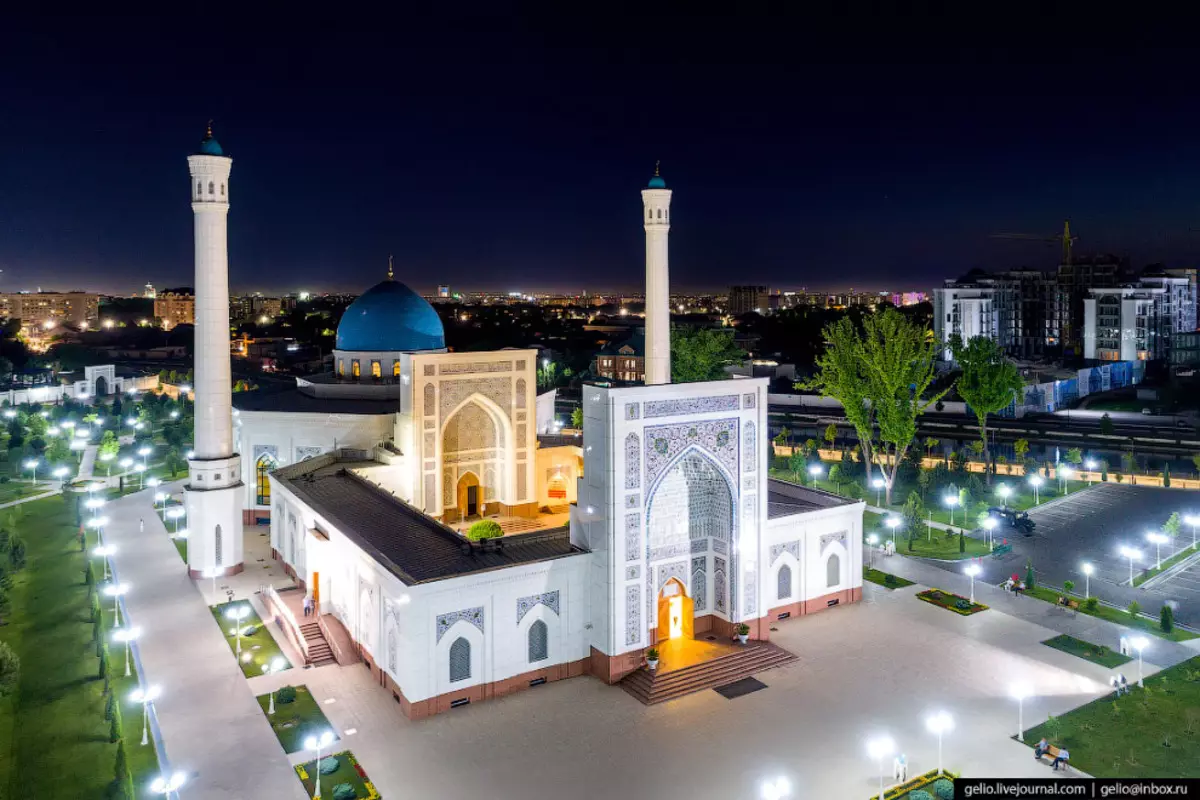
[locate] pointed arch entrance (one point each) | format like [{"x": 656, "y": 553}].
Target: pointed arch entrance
[{"x": 676, "y": 612}]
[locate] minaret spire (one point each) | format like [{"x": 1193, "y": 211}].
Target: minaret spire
[
  {"x": 208, "y": 134},
  {"x": 656, "y": 219},
  {"x": 390, "y": 273}
]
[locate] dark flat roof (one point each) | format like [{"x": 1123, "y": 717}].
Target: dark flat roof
[
  {"x": 293, "y": 400},
  {"x": 785, "y": 499},
  {"x": 415, "y": 547}
]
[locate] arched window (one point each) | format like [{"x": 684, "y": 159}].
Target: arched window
[
  {"x": 395, "y": 368},
  {"x": 355, "y": 368},
  {"x": 649, "y": 213},
  {"x": 262, "y": 483},
  {"x": 539, "y": 642},
  {"x": 460, "y": 660},
  {"x": 222, "y": 190},
  {"x": 217, "y": 555},
  {"x": 521, "y": 388},
  {"x": 376, "y": 369},
  {"x": 660, "y": 213},
  {"x": 833, "y": 571},
  {"x": 211, "y": 188},
  {"x": 199, "y": 188},
  {"x": 785, "y": 582},
  {"x": 341, "y": 367}
]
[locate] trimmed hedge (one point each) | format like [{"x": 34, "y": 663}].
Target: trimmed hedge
[{"x": 485, "y": 529}]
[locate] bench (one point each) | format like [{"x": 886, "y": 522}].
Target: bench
[
  {"x": 1001, "y": 549},
  {"x": 1051, "y": 753}
]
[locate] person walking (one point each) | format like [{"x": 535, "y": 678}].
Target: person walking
[{"x": 142, "y": 525}]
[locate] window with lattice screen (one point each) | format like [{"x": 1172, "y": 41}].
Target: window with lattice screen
[
  {"x": 460, "y": 660},
  {"x": 785, "y": 582},
  {"x": 539, "y": 644}
]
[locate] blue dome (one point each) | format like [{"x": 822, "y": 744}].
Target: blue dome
[
  {"x": 210, "y": 146},
  {"x": 390, "y": 317},
  {"x": 657, "y": 183}
]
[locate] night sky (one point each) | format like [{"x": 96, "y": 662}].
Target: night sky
[{"x": 499, "y": 157}]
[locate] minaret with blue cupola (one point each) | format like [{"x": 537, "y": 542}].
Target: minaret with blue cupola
[
  {"x": 214, "y": 489},
  {"x": 656, "y": 218}
]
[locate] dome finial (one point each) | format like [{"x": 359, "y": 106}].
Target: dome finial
[
  {"x": 208, "y": 134},
  {"x": 656, "y": 162},
  {"x": 389, "y": 267}
]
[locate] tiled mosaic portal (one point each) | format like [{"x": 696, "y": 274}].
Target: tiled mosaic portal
[
  {"x": 526, "y": 604},
  {"x": 472, "y": 615}
]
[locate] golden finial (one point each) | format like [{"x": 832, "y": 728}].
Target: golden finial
[
  {"x": 389, "y": 267},
  {"x": 656, "y": 163},
  {"x": 208, "y": 134}
]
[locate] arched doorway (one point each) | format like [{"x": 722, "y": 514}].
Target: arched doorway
[
  {"x": 675, "y": 612},
  {"x": 556, "y": 489},
  {"x": 470, "y": 495},
  {"x": 101, "y": 386}
]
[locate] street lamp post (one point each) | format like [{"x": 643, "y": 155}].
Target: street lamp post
[
  {"x": 893, "y": 523},
  {"x": 777, "y": 789},
  {"x": 878, "y": 483},
  {"x": 1020, "y": 693},
  {"x": 880, "y": 748},
  {"x": 1087, "y": 580},
  {"x": 32, "y": 465},
  {"x": 951, "y": 500},
  {"x": 1132, "y": 555},
  {"x": 237, "y": 615},
  {"x": 316, "y": 743},
  {"x": 127, "y": 635},
  {"x": 990, "y": 525},
  {"x": 1157, "y": 539},
  {"x": 61, "y": 473},
  {"x": 144, "y": 452},
  {"x": 97, "y": 524},
  {"x": 107, "y": 459},
  {"x": 145, "y": 697},
  {"x": 115, "y": 591},
  {"x": 1005, "y": 490},
  {"x": 871, "y": 540},
  {"x": 939, "y": 723},
  {"x": 1139, "y": 643},
  {"x": 973, "y": 570},
  {"x": 104, "y": 551},
  {"x": 168, "y": 786},
  {"x": 1064, "y": 472},
  {"x": 814, "y": 472},
  {"x": 140, "y": 469},
  {"x": 1036, "y": 482},
  {"x": 270, "y": 669},
  {"x": 175, "y": 514},
  {"x": 1193, "y": 520},
  {"x": 1091, "y": 468}
]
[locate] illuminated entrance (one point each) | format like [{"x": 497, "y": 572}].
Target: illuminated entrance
[{"x": 675, "y": 612}]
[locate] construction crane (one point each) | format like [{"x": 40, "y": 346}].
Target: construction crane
[{"x": 1065, "y": 239}]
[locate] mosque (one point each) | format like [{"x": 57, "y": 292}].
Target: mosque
[{"x": 662, "y": 528}]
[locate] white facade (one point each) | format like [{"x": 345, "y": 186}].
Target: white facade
[
  {"x": 968, "y": 311},
  {"x": 1135, "y": 323},
  {"x": 99, "y": 381},
  {"x": 656, "y": 203},
  {"x": 213, "y": 495}
]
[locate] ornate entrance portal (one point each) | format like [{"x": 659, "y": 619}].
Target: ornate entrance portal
[{"x": 675, "y": 612}]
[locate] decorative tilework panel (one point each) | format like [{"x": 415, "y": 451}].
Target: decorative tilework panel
[
  {"x": 677, "y": 569},
  {"x": 473, "y": 367},
  {"x": 471, "y": 615},
  {"x": 719, "y": 584},
  {"x": 633, "y": 614},
  {"x": 308, "y": 451},
  {"x": 748, "y": 400},
  {"x": 749, "y": 448},
  {"x": 521, "y": 416},
  {"x": 786, "y": 547},
  {"x": 699, "y": 584},
  {"x": 526, "y": 604},
  {"x": 520, "y": 364},
  {"x": 448, "y": 488},
  {"x": 751, "y": 591},
  {"x": 522, "y": 481},
  {"x": 430, "y": 491},
  {"x": 428, "y": 399},
  {"x": 521, "y": 432},
  {"x": 429, "y": 445},
  {"x": 633, "y": 573},
  {"x": 520, "y": 397},
  {"x": 633, "y": 500},
  {"x": 633, "y": 410},
  {"x": 430, "y": 369},
  {"x": 261, "y": 450},
  {"x": 430, "y": 424},
  {"x": 633, "y": 537},
  {"x": 828, "y": 538},
  {"x": 749, "y": 511},
  {"x": 690, "y": 405},
  {"x": 668, "y": 551},
  {"x": 498, "y": 390},
  {"x": 633, "y": 462},
  {"x": 700, "y": 545},
  {"x": 749, "y": 482},
  {"x": 664, "y": 442},
  {"x": 721, "y": 547}
]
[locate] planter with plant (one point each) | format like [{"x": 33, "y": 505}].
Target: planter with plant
[
  {"x": 743, "y": 632},
  {"x": 652, "y": 659}
]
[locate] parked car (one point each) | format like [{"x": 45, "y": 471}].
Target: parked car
[{"x": 1014, "y": 519}]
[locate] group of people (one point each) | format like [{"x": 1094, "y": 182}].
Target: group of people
[
  {"x": 1014, "y": 584},
  {"x": 1119, "y": 684},
  {"x": 1043, "y": 746}
]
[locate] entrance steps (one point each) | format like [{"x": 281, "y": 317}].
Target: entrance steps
[
  {"x": 660, "y": 686},
  {"x": 319, "y": 653}
]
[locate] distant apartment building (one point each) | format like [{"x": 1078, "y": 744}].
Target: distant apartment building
[
  {"x": 49, "y": 309},
  {"x": 970, "y": 310},
  {"x": 1137, "y": 322},
  {"x": 747, "y": 299},
  {"x": 625, "y": 359},
  {"x": 443, "y": 291},
  {"x": 175, "y": 307}
]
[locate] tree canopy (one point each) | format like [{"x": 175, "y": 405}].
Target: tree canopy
[
  {"x": 988, "y": 382},
  {"x": 701, "y": 354}
]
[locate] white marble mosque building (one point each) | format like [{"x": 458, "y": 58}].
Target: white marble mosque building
[{"x": 660, "y": 528}]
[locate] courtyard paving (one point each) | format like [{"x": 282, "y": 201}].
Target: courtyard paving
[{"x": 877, "y": 667}]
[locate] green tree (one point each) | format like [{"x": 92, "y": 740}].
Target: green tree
[
  {"x": 109, "y": 446},
  {"x": 547, "y": 375},
  {"x": 912, "y": 514},
  {"x": 988, "y": 383},
  {"x": 810, "y": 447},
  {"x": 1166, "y": 619},
  {"x": 1196, "y": 461},
  {"x": 701, "y": 354},
  {"x": 1166, "y": 476},
  {"x": 931, "y": 443},
  {"x": 10, "y": 670},
  {"x": 115, "y": 728},
  {"x": 123, "y": 779},
  {"x": 797, "y": 463},
  {"x": 1173, "y": 525},
  {"x": 831, "y": 433},
  {"x": 1021, "y": 449},
  {"x": 880, "y": 374},
  {"x": 58, "y": 450},
  {"x": 1075, "y": 456},
  {"x": 577, "y": 418},
  {"x": 1106, "y": 425},
  {"x": 1068, "y": 586},
  {"x": 1129, "y": 462},
  {"x": 1134, "y": 608},
  {"x": 924, "y": 479},
  {"x": 1029, "y": 576}
]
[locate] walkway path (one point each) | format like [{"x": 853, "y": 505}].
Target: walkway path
[
  {"x": 212, "y": 726},
  {"x": 88, "y": 463},
  {"x": 1161, "y": 652}
]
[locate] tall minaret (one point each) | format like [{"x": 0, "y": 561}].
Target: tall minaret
[
  {"x": 656, "y": 200},
  {"x": 214, "y": 473}
]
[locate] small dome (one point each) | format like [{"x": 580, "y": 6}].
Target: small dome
[
  {"x": 390, "y": 317},
  {"x": 211, "y": 147},
  {"x": 657, "y": 183}
]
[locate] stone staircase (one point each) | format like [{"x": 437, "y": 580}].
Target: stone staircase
[
  {"x": 319, "y": 653},
  {"x": 659, "y": 686}
]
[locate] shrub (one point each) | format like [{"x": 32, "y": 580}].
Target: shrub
[
  {"x": 484, "y": 529},
  {"x": 1166, "y": 619},
  {"x": 115, "y": 729},
  {"x": 10, "y": 670},
  {"x": 104, "y": 665},
  {"x": 1166, "y": 475},
  {"x": 943, "y": 789},
  {"x": 1029, "y": 579},
  {"x": 743, "y": 629},
  {"x": 1091, "y": 604},
  {"x": 920, "y": 794},
  {"x": 16, "y": 551},
  {"x": 962, "y": 542},
  {"x": 328, "y": 765},
  {"x": 250, "y": 630},
  {"x": 1068, "y": 586},
  {"x": 962, "y": 604},
  {"x": 285, "y": 695},
  {"x": 1134, "y": 608},
  {"x": 109, "y": 705},
  {"x": 889, "y": 579},
  {"x": 96, "y": 613},
  {"x": 89, "y": 577},
  {"x": 345, "y": 791}
]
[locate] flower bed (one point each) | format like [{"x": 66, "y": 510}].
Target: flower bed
[
  {"x": 951, "y": 602},
  {"x": 925, "y": 782},
  {"x": 885, "y": 579},
  {"x": 348, "y": 771},
  {"x": 1097, "y": 654},
  {"x": 294, "y": 721},
  {"x": 258, "y": 648}
]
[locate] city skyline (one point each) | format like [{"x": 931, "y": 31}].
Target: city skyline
[{"x": 519, "y": 167}]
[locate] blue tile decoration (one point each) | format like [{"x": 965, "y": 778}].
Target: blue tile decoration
[
  {"x": 633, "y": 500},
  {"x": 633, "y": 614},
  {"x": 716, "y": 438},
  {"x": 525, "y": 604},
  {"x": 633, "y": 410},
  {"x": 700, "y": 545},
  {"x": 307, "y": 451},
  {"x": 751, "y": 591},
  {"x": 676, "y": 569},
  {"x": 633, "y": 462},
  {"x": 748, "y": 400},
  {"x": 261, "y": 450},
  {"x": 699, "y": 584},
  {"x": 786, "y": 547},
  {"x": 691, "y": 405},
  {"x": 719, "y": 583},
  {"x": 828, "y": 538},
  {"x": 472, "y": 615},
  {"x": 749, "y": 448},
  {"x": 633, "y": 573},
  {"x": 720, "y": 546},
  {"x": 668, "y": 551},
  {"x": 633, "y": 537}
]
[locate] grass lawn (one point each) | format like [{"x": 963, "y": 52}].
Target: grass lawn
[
  {"x": 1096, "y": 654},
  {"x": 1138, "y": 580},
  {"x": 15, "y": 490},
  {"x": 1150, "y": 733},
  {"x": 882, "y": 579},
  {"x": 257, "y": 649},
  {"x": 294, "y": 721},
  {"x": 348, "y": 771},
  {"x": 53, "y": 735},
  {"x": 1117, "y": 615},
  {"x": 180, "y": 545},
  {"x": 935, "y": 543}
]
